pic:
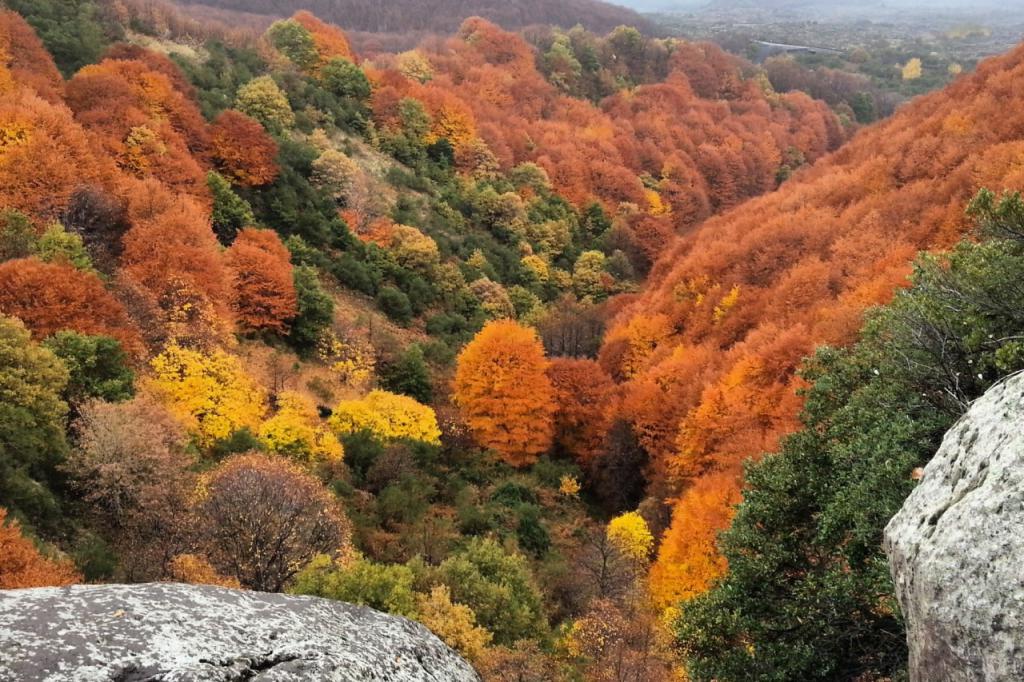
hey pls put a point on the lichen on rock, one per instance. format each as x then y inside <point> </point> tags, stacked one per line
<point>956,548</point>
<point>175,633</point>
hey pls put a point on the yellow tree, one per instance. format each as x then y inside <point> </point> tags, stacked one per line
<point>209,392</point>
<point>296,431</point>
<point>630,535</point>
<point>388,416</point>
<point>504,393</point>
<point>454,623</point>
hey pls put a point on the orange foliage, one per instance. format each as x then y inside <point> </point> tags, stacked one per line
<point>26,60</point>
<point>585,398</point>
<point>329,40</point>
<point>745,296</point>
<point>49,297</point>
<point>706,146</point>
<point>172,252</point>
<point>243,150</point>
<point>688,560</point>
<point>144,122</point>
<point>504,395</point>
<point>264,291</point>
<point>21,564</point>
<point>44,156</point>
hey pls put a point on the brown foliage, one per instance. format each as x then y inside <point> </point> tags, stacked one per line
<point>585,398</point>
<point>243,150</point>
<point>262,519</point>
<point>21,564</point>
<point>130,466</point>
<point>264,291</point>
<point>49,297</point>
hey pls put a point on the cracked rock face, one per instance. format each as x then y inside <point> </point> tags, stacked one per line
<point>956,548</point>
<point>172,633</point>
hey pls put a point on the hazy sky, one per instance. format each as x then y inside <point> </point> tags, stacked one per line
<point>846,5</point>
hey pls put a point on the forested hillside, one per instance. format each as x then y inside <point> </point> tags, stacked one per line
<point>444,16</point>
<point>708,355</point>
<point>260,292</point>
<point>482,333</point>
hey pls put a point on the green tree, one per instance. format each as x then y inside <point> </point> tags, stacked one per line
<point>808,594</point>
<point>97,366</point>
<point>70,30</point>
<point>18,237</point>
<point>342,78</point>
<point>295,42</point>
<point>498,587</point>
<point>316,310</point>
<point>395,305</point>
<point>57,245</point>
<point>230,212</point>
<point>32,415</point>
<point>408,375</point>
<point>383,587</point>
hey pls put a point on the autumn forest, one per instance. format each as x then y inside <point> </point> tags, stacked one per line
<point>604,356</point>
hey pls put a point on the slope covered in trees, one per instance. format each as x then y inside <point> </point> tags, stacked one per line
<point>708,351</point>
<point>236,278</point>
<point>444,16</point>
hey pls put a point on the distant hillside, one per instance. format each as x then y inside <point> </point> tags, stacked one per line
<point>443,16</point>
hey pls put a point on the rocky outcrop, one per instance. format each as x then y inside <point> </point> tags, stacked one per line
<point>173,633</point>
<point>956,548</point>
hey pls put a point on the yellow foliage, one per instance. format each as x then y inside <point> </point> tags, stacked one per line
<point>537,266</point>
<point>655,205</point>
<point>726,304</point>
<point>454,623</point>
<point>189,568</point>
<point>912,69</point>
<point>388,416</point>
<point>210,393</point>
<point>14,133</point>
<point>955,69</point>
<point>296,431</point>
<point>352,360</point>
<point>414,66</point>
<point>630,535</point>
<point>569,486</point>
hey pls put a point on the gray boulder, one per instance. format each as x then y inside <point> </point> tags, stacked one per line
<point>171,632</point>
<point>956,548</point>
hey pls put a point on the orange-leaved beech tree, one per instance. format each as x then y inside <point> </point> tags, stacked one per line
<point>143,122</point>
<point>504,393</point>
<point>44,156</point>
<point>264,291</point>
<point>26,60</point>
<point>328,40</point>
<point>263,519</point>
<point>172,252</point>
<point>585,397</point>
<point>49,297</point>
<point>709,351</point>
<point>243,150</point>
<point>21,564</point>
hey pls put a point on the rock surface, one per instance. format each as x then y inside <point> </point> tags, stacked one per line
<point>956,548</point>
<point>170,633</point>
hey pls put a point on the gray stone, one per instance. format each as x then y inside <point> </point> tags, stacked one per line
<point>956,548</point>
<point>170,632</point>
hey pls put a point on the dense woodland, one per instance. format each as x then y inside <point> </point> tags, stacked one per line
<point>487,333</point>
